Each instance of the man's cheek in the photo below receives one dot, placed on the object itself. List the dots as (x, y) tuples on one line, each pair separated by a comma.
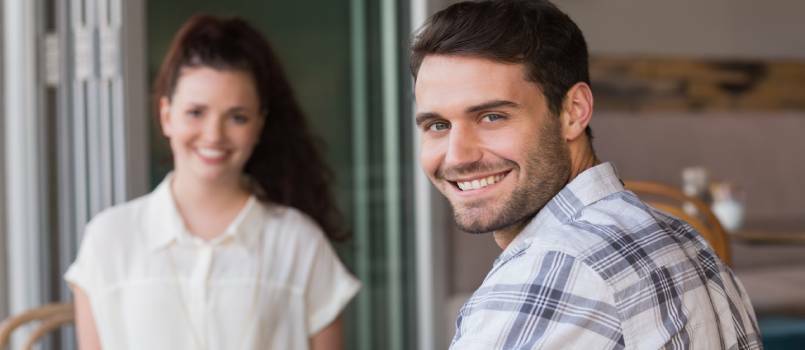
[(429, 163)]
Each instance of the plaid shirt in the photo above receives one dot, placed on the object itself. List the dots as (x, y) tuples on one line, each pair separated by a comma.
[(599, 269)]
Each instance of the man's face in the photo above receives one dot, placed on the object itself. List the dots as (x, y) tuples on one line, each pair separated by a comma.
[(489, 141)]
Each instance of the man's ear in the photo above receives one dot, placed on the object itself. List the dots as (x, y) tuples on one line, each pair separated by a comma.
[(577, 110), (164, 116)]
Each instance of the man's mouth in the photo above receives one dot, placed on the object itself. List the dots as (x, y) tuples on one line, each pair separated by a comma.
[(480, 182)]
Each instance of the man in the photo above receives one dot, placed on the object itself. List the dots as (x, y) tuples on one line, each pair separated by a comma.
[(503, 107)]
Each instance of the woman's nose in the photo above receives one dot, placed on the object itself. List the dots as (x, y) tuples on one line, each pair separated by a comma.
[(213, 129)]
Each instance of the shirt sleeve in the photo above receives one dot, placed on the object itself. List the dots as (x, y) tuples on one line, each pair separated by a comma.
[(550, 301), (330, 287), (82, 272)]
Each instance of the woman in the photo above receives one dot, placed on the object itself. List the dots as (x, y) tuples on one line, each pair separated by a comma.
[(230, 251)]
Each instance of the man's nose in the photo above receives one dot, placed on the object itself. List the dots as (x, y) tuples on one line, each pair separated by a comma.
[(463, 147)]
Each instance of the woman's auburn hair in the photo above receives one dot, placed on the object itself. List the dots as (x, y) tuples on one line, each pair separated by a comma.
[(286, 166)]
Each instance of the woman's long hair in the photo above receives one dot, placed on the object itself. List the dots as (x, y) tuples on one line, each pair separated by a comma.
[(286, 163)]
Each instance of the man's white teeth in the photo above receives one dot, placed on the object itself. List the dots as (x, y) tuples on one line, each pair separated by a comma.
[(479, 183), (210, 152)]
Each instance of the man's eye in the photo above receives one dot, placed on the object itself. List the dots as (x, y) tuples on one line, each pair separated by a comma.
[(492, 117), (438, 126)]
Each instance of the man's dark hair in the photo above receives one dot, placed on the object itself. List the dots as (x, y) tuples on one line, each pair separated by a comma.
[(532, 32)]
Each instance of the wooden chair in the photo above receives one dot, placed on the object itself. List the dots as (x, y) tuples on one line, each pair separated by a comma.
[(670, 200), (50, 318)]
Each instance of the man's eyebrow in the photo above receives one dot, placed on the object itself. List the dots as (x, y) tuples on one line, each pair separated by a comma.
[(425, 116), (491, 105), (421, 118)]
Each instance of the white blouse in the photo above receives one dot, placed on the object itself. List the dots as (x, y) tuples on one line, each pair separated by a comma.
[(270, 281)]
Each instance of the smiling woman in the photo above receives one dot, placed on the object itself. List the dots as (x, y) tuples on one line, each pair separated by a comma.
[(213, 122), (231, 250)]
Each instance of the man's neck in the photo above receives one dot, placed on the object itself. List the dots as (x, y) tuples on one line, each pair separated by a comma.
[(581, 159), (505, 236)]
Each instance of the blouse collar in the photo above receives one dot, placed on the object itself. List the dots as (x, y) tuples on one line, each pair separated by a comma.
[(164, 225)]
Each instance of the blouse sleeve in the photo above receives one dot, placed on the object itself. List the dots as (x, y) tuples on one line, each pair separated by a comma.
[(81, 272), (330, 287)]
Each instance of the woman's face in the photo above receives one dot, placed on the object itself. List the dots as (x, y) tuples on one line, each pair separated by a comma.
[(213, 121)]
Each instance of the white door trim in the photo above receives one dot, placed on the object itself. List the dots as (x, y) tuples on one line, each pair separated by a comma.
[(430, 214), (25, 169)]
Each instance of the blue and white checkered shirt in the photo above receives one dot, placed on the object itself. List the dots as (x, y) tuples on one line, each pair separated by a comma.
[(599, 269)]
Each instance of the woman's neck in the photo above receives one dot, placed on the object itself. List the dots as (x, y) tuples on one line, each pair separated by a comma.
[(207, 208)]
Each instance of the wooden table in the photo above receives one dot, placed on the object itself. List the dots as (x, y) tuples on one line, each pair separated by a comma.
[(770, 262), (769, 237)]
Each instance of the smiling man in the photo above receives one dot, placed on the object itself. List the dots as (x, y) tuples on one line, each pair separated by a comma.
[(503, 107)]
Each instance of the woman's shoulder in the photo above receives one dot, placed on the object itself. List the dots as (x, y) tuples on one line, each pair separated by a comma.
[(110, 245), (289, 219), (116, 225), (289, 216), (120, 216)]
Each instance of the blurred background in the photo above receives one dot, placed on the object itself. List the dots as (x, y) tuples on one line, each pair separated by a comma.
[(714, 90)]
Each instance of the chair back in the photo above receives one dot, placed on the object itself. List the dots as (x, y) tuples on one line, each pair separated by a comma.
[(670, 200), (49, 317)]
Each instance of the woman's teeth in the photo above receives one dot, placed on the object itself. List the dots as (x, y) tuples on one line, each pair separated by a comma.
[(211, 152)]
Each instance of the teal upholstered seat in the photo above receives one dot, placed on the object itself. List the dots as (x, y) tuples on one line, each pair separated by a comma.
[(782, 333)]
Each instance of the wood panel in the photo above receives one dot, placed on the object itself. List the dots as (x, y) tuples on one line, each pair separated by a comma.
[(687, 84)]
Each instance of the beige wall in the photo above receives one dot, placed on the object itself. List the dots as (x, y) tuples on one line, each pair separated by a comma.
[(712, 28), (762, 151)]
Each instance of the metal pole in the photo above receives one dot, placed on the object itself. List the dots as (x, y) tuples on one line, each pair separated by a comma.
[(391, 142)]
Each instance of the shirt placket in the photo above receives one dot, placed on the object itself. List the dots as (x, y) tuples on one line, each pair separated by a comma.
[(199, 290)]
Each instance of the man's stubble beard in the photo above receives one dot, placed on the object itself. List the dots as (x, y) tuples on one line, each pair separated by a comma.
[(548, 166)]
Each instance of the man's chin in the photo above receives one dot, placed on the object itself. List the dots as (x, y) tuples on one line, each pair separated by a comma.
[(473, 229), (474, 223), (488, 220)]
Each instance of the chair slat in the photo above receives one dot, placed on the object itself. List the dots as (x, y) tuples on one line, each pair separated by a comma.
[(670, 201), (47, 315)]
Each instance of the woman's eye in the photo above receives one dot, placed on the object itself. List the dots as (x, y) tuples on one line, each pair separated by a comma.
[(240, 119), (195, 113), (492, 117), (438, 126)]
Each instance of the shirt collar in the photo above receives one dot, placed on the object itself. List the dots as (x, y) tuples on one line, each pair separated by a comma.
[(164, 224), (586, 188)]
